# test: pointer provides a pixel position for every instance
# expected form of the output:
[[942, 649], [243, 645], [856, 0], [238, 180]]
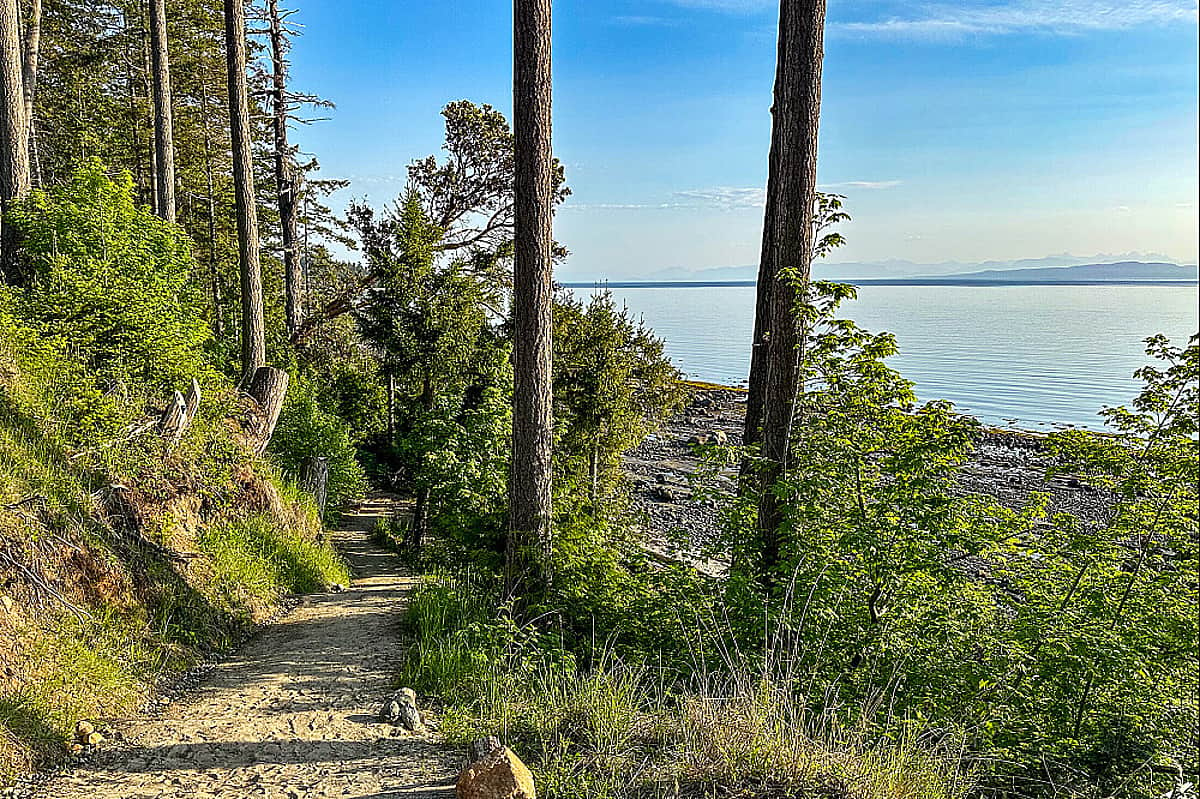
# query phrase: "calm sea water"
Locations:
[[1028, 356]]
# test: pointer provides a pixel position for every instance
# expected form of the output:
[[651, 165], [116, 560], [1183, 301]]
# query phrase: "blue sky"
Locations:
[[964, 131]]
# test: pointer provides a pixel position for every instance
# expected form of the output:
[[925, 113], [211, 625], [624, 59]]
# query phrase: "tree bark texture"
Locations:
[[29, 69], [788, 245], [286, 175], [267, 390], [14, 148], [214, 273], [164, 137], [254, 346], [530, 539]]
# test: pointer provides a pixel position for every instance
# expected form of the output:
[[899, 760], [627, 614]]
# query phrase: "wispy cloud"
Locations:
[[870, 185], [1054, 17], [728, 198], [644, 21], [724, 198], [729, 6], [574, 206]]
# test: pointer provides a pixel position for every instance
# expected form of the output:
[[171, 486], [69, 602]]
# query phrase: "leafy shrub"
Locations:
[[1062, 646], [111, 281], [307, 431]]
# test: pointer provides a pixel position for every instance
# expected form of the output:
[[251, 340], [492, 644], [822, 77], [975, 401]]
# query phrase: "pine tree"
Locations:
[[530, 537]]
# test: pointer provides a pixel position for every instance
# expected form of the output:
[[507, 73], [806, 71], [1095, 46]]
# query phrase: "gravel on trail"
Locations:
[[292, 715]]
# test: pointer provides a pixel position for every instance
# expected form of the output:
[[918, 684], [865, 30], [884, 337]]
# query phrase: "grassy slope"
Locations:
[[122, 562]]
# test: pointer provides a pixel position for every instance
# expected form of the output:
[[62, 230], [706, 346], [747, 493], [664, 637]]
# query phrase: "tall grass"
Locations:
[[260, 557], [619, 729]]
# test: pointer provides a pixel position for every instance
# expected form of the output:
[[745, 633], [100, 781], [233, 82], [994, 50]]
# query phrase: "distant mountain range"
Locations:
[[1059, 268], [1120, 271]]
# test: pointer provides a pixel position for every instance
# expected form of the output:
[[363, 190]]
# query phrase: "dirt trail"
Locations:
[[292, 715]]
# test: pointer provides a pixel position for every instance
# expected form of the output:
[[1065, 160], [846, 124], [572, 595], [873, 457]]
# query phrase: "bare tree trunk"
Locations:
[[254, 345], [164, 139], [391, 409], [286, 175], [214, 273], [788, 245], [148, 93], [29, 69], [420, 522], [14, 148], [135, 127], [530, 538]]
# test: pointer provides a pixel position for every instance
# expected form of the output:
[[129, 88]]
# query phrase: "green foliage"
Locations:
[[98, 501], [258, 558], [307, 431], [620, 729], [470, 195], [612, 386], [111, 280], [1063, 646]]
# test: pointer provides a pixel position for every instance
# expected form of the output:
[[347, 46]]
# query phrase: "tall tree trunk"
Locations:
[[14, 149], [134, 124], [214, 273], [530, 537], [148, 93], [286, 177], [164, 139], [29, 69], [254, 344], [788, 245], [391, 409]]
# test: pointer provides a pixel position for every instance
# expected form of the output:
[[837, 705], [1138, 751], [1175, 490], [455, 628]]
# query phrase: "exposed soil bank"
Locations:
[[290, 716]]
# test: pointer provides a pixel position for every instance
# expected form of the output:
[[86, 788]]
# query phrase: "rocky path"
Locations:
[[292, 715]]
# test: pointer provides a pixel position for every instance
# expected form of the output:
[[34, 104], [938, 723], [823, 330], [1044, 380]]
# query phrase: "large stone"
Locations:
[[499, 775], [401, 708], [482, 747], [83, 730]]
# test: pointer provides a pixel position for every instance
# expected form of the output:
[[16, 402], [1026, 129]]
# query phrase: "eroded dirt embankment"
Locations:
[[293, 714]]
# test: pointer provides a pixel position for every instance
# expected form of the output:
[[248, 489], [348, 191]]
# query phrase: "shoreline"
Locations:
[[871, 281], [1008, 465], [988, 430]]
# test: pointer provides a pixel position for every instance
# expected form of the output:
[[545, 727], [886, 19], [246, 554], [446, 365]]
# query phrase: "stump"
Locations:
[[266, 392]]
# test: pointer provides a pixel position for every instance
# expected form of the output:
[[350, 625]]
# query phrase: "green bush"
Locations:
[[307, 431], [112, 281], [1064, 649]]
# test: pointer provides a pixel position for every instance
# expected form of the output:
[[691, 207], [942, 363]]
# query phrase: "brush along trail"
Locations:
[[293, 715]]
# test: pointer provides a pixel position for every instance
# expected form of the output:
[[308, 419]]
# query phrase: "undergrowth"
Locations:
[[613, 728], [124, 557]]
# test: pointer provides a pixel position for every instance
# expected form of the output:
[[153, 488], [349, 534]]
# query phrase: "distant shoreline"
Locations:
[[899, 281]]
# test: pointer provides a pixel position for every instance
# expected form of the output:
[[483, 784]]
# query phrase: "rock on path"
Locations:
[[293, 714]]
